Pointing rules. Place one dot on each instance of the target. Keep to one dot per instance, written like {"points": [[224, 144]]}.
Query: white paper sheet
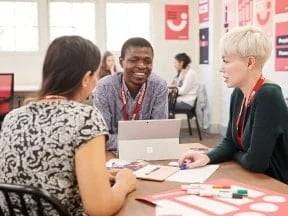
{"points": [[170, 208], [199, 175], [161, 211], [213, 206]]}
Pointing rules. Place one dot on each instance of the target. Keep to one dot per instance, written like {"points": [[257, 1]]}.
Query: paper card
{"points": [[173, 208], [237, 202], [196, 175], [215, 207], [120, 164], [155, 172], [160, 211]]}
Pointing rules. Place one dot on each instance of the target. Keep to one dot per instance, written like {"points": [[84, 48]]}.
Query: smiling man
{"points": [[134, 94]]}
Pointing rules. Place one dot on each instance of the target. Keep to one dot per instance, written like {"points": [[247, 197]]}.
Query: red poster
{"points": [[203, 11], [204, 45], [176, 22], [245, 8], [281, 6], [263, 15], [281, 63], [230, 10]]}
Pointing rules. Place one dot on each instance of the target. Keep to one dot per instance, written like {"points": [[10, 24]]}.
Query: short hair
{"points": [[247, 41], [183, 57], [67, 60], [135, 42]]}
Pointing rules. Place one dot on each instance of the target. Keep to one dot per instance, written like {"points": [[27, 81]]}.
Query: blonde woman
{"points": [[257, 132]]}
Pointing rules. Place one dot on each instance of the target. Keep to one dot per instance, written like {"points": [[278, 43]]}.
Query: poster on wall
{"points": [[203, 9], [204, 46], [230, 10], [281, 6], [176, 22], [245, 8], [281, 62], [263, 15]]}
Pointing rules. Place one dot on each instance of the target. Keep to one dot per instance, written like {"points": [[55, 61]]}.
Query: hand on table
{"points": [[193, 159]]}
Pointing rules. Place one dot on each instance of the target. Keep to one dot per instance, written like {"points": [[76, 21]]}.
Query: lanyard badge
{"points": [[242, 115], [138, 104]]}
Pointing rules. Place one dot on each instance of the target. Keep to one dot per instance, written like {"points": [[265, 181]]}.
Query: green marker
{"points": [[242, 192]]}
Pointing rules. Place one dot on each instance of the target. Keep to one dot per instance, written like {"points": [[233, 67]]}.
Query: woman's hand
{"points": [[111, 174], [193, 159], [126, 178]]}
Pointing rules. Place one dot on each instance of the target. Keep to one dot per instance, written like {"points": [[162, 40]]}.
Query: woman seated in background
{"points": [[108, 66], [56, 143], [257, 132], [186, 81]]}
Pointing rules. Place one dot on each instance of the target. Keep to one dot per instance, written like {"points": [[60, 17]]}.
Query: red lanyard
{"points": [[242, 115], [138, 105]]}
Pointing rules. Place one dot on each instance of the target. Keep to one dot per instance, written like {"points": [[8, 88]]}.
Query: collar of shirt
{"points": [[127, 92], [180, 79]]}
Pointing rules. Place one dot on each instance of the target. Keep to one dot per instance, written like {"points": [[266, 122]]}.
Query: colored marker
{"points": [[242, 192], [183, 167], [229, 195], [221, 186]]}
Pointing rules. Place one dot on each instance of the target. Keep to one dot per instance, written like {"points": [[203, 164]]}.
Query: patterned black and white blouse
{"points": [[38, 143]]}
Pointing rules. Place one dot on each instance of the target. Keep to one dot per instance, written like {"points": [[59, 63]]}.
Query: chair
{"points": [[36, 194], [6, 94], [190, 114], [172, 98]]}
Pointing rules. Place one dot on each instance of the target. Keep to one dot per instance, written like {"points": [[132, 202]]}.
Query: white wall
{"points": [[165, 50], [27, 66]]}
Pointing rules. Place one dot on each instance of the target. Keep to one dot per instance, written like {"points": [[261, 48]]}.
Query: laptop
{"points": [[149, 139]]}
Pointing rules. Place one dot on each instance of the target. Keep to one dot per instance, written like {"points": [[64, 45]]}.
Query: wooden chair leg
{"points": [[198, 128], [189, 125]]}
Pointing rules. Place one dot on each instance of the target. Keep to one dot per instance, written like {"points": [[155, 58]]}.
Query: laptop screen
{"points": [[149, 129]]}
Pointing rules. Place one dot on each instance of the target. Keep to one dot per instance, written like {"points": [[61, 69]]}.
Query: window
{"points": [[125, 20], [18, 26], [72, 18]]}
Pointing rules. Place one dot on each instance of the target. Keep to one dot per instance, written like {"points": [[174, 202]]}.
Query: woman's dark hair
{"points": [[67, 60], [183, 57], [135, 42], [103, 69]]}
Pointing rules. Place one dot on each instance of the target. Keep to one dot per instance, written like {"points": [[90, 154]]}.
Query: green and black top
{"points": [[265, 135]]}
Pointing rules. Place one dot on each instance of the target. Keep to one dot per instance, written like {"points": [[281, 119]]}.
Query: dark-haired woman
{"points": [[56, 143], [108, 66], [186, 81]]}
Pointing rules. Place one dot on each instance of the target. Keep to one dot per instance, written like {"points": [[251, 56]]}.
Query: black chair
{"points": [[190, 114], [37, 195], [172, 98]]}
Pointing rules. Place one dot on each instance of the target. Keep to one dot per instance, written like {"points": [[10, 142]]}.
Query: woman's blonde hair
{"points": [[247, 41]]}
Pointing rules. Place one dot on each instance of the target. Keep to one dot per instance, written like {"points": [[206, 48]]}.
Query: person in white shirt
{"points": [[186, 81]]}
